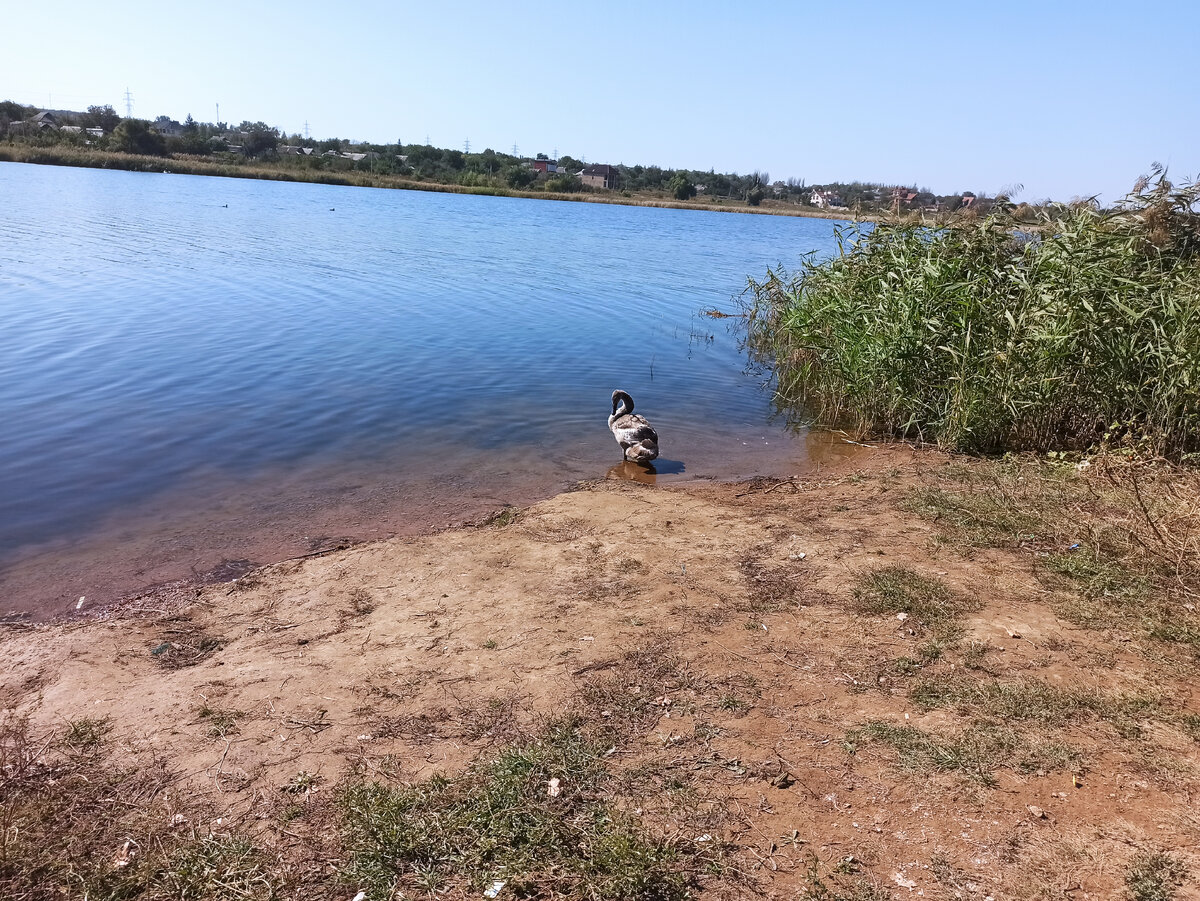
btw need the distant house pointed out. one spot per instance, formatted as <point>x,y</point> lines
<point>543,163</point>
<point>44,120</point>
<point>167,126</point>
<point>967,199</point>
<point>295,150</point>
<point>599,176</point>
<point>825,200</point>
<point>352,157</point>
<point>902,197</point>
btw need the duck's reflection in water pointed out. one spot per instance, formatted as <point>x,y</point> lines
<point>645,473</point>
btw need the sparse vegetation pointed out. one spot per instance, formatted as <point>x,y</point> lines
<point>843,881</point>
<point>1023,700</point>
<point>213,866</point>
<point>86,734</point>
<point>898,589</point>
<point>1117,540</point>
<point>709,761</point>
<point>973,753</point>
<point>505,819</point>
<point>221,721</point>
<point>85,825</point>
<point>1154,876</point>
<point>184,645</point>
<point>505,516</point>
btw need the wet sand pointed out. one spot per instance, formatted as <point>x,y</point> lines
<point>216,528</point>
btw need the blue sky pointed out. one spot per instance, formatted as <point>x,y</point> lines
<point>1065,98</point>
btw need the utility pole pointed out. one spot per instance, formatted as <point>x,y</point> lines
<point>128,104</point>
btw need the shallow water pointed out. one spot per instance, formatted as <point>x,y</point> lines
<point>198,370</point>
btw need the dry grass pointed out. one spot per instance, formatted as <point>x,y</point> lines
<point>183,644</point>
<point>79,820</point>
<point>1117,538</point>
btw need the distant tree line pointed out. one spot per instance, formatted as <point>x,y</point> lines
<point>265,144</point>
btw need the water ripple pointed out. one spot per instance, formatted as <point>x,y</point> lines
<point>152,333</point>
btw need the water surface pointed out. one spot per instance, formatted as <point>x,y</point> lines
<point>196,370</point>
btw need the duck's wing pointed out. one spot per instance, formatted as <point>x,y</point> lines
<point>632,429</point>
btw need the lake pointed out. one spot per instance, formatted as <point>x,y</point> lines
<point>199,374</point>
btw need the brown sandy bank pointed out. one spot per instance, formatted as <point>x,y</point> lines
<point>811,684</point>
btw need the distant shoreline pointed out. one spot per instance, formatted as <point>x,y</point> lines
<point>102,159</point>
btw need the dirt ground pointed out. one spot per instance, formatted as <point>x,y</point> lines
<point>777,731</point>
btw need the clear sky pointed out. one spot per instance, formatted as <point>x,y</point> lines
<point>1065,98</point>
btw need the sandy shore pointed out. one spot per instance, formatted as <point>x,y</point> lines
<point>414,656</point>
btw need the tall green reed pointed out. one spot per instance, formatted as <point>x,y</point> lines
<point>980,336</point>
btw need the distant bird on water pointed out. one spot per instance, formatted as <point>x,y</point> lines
<point>638,440</point>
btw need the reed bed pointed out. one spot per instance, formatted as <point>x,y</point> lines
<point>981,336</point>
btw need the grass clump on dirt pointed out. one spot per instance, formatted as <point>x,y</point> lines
<point>86,734</point>
<point>534,817</point>
<point>213,866</point>
<point>843,881</point>
<point>973,753</point>
<point>221,721</point>
<point>898,589</point>
<point>981,336</point>
<point>1030,700</point>
<point>1154,877</point>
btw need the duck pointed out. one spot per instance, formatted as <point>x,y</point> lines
<point>638,440</point>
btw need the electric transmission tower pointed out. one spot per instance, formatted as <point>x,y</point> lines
<point>128,104</point>
<point>467,146</point>
<point>306,131</point>
<point>515,151</point>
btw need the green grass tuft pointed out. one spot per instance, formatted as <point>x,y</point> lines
<point>1029,700</point>
<point>1154,877</point>
<point>501,821</point>
<point>896,588</point>
<point>973,753</point>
